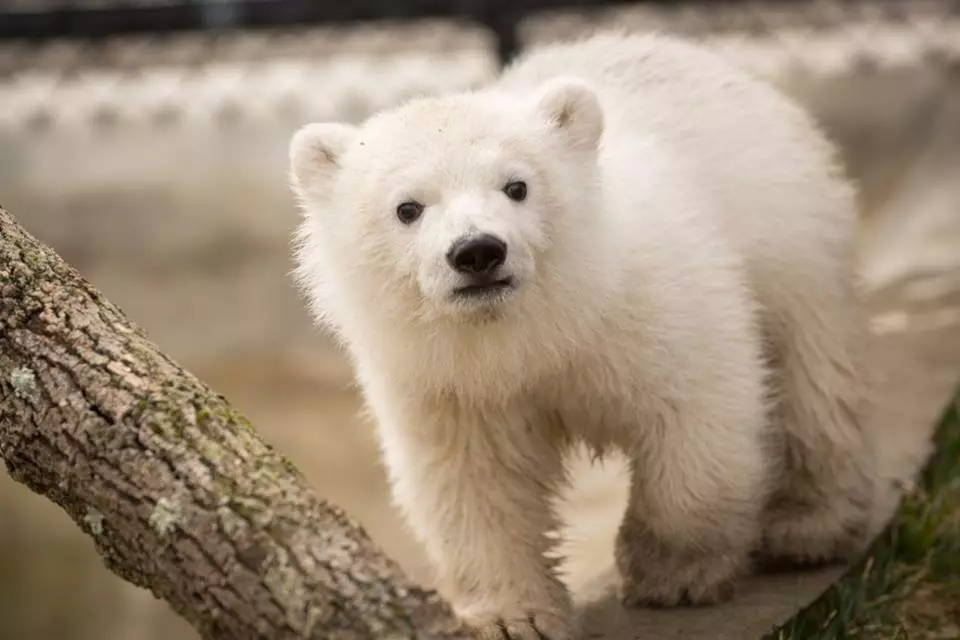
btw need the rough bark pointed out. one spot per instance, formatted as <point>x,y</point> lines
<point>177,491</point>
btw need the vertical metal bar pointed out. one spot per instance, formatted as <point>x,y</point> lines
<point>502,18</point>
<point>218,14</point>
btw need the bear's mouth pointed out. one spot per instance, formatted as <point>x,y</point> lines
<point>481,289</point>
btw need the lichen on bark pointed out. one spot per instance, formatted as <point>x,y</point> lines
<point>178,492</point>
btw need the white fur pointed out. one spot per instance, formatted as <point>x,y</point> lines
<point>684,291</point>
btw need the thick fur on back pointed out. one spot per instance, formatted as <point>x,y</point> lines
<point>683,291</point>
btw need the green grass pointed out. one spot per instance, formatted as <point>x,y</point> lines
<point>908,586</point>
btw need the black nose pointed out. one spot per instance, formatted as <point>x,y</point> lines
<point>478,256</point>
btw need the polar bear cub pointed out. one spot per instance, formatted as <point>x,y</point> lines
<point>625,242</point>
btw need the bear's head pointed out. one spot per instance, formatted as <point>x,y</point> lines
<point>452,208</point>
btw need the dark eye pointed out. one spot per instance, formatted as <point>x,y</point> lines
<point>516,190</point>
<point>408,212</point>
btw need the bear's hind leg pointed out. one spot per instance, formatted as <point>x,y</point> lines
<point>821,509</point>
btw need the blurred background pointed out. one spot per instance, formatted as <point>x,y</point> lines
<point>145,140</point>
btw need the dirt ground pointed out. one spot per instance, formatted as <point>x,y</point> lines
<point>204,268</point>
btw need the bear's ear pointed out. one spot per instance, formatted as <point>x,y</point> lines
<point>572,108</point>
<point>315,151</point>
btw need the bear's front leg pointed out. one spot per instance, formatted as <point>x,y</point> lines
<point>474,487</point>
<point>697,487</point>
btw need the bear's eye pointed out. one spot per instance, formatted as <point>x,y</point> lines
<point>408,212</point>
<point>516,190</point>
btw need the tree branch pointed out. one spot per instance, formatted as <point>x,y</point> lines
<point>177,491</point>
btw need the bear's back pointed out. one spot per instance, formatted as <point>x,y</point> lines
<point>761,161</point>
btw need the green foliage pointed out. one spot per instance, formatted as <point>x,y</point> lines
<point>908,584</point>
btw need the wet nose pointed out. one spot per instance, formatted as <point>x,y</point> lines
<point>477,256</point>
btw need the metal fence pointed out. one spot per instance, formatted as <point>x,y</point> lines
<point>39,20</point>
<point>50,75</point>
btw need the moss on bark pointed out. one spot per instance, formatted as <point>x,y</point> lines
<point>174,486</point>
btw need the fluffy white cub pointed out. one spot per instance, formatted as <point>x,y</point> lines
<point>623,241</point>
